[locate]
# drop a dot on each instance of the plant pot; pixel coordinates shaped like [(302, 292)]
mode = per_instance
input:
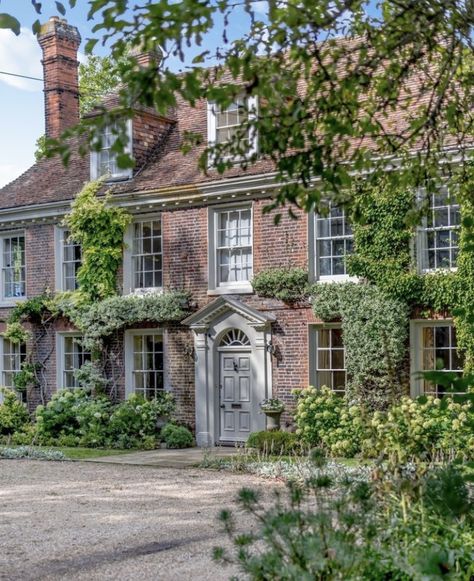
[(273, 420)]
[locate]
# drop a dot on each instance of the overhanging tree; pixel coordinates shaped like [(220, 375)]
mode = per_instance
[(399, 86)]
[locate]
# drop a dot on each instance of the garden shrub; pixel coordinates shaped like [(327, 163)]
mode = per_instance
[(133, 422), (324, 418), (274, 442), (13, 414), (379, 529), (423, 427), (74, 417), (287, 284), (176, 436)]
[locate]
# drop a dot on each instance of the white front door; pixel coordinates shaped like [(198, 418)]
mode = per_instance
[(235, 399)]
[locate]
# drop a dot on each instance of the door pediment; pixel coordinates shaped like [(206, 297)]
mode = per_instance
[(203, 319)]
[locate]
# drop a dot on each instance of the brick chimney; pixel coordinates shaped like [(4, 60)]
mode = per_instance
[(147, 58), (59, 42)]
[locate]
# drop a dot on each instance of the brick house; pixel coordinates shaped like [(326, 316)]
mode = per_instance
[(202, 233)]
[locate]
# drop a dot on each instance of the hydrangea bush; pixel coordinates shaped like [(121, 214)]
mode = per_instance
[(423, 427), (74, 417)]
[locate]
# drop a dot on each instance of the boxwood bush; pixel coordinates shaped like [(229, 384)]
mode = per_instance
[(274, 442), (176, 436)]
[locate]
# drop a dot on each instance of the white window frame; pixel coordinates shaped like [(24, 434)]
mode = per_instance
[(216, 288), (124, 174), (416, 351), (421, 236), (212, 127), (3, 371), (4, 300), (130, 334), (60, 354), (313, 331), (59, 240), (128, 267), (313, 258)]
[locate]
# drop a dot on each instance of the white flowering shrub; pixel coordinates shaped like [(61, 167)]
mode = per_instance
[(74, 417), (423, 427)]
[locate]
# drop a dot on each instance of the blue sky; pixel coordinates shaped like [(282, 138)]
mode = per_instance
[(21, 101)]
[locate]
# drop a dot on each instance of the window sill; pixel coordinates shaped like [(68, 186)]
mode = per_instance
[(431, 271), (12, 302), (336, 278), (231, 290), (144, 292)]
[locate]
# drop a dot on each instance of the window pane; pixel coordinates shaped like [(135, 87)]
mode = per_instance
[(148, 364), (334, 241), (147, 255), (438, 238), (330, 363), (234, 246)]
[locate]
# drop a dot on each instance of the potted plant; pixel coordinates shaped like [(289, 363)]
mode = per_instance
[(272, 408)]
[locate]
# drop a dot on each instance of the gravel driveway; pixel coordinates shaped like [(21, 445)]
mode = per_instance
[(77, 520)]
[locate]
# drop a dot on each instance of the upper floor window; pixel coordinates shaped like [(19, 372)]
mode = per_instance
[(147, 257), (231, 259), (71, 356), (438, 243), (327, 361), (13, 266), (69, 257), (104, 161), (434, 349), (145, 362), (333, 242), (223, 124)]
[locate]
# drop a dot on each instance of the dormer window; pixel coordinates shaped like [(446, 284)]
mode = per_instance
[(223, 124), (104, 161)]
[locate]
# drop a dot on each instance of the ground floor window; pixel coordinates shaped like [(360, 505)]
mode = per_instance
[(12, 357), (327, 357), (71, 357), (145, 362), (434, 347)]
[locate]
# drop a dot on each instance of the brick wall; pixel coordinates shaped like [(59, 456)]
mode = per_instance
[(185, 266)]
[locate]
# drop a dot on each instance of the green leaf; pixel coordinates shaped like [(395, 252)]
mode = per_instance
[(10, 22), (90, 44), (36, 27), (60, 8)]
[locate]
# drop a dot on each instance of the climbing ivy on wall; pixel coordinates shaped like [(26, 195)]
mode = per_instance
[(99, 228), (94, 309), (375, 329)]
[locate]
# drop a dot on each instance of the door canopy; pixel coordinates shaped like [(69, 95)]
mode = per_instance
[(204, 318)]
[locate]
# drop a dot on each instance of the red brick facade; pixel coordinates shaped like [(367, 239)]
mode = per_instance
[(168, 184)]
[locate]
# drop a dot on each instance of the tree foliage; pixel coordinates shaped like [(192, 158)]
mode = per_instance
[(321, 98)]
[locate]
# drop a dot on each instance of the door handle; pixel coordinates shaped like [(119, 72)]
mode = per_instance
[(222, 405)]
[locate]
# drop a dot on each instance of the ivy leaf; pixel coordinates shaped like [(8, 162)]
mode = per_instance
[(10, 22)]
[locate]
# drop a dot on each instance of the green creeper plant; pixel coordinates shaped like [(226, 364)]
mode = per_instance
[(287, 284), (98, 227)]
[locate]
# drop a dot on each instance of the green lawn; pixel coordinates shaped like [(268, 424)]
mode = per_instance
[(81, 453)]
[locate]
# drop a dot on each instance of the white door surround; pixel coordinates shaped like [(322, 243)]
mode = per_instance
[(211, 326)]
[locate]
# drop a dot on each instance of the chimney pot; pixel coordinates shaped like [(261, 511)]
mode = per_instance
[(59, 42)]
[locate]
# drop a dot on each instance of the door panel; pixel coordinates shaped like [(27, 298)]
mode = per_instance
[(235, 396)]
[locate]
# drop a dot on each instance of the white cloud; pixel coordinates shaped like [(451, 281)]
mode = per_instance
[(20, 55)]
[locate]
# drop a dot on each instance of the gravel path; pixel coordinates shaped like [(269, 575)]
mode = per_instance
[(84, 521)]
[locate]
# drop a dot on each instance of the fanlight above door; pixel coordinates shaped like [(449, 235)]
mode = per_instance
[(235, 338)]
